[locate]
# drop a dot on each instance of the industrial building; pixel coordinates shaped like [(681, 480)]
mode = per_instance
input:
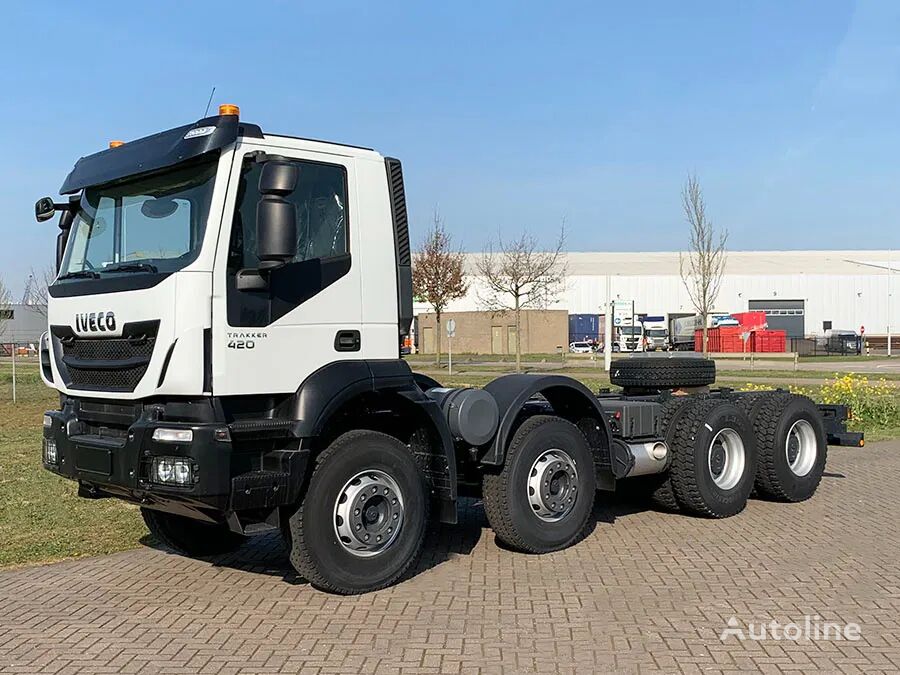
[(802, 292)]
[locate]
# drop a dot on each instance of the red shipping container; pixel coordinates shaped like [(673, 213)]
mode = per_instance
[(769, 341), (724, 339)]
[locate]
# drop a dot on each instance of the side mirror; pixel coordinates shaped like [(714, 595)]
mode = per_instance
[(276, 231), (44, 208), (276, 219)]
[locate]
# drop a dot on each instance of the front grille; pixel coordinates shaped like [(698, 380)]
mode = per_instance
[(107, 349), (105, 364)]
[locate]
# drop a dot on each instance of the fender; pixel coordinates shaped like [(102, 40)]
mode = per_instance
[(568, 397), (331, 386)]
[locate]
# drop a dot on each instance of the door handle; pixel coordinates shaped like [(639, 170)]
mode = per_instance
[(347, 341)]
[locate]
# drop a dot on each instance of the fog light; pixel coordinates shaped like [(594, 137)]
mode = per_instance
[(50, 456), (173, 435), (48, 421), (172, 470)]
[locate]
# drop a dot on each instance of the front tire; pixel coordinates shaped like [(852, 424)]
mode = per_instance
[(542, 498), (190, 537), (361, 523), (714, 459)]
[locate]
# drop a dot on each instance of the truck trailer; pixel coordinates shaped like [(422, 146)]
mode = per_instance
[(225, 335)]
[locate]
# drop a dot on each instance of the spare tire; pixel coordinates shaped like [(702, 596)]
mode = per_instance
[(670, 372)]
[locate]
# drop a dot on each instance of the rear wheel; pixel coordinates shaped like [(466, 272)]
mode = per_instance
[(542, 498), (714, 459), (191, 537), (792, 448), (362, 520)]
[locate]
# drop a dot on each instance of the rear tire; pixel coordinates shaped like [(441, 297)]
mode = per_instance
[(342, 537), (793, 448), (190, 537), (714, 459), (546, 453)]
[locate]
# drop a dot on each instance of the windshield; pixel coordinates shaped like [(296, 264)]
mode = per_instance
[(153, 224), (657, 332), (631, 330)]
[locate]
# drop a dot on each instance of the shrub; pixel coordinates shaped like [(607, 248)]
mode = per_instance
[(873, 404)]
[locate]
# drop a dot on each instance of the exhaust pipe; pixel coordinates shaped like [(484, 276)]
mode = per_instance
[(650, 457)]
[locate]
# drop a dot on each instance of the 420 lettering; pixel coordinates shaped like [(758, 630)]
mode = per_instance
[(244, 340)]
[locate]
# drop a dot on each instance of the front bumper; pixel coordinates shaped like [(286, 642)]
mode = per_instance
[(111, 455)]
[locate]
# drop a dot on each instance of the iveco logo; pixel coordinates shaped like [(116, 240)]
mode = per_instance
[(94, 322)]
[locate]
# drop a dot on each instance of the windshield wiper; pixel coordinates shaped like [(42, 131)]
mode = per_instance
[(80, 274), (132, 267)]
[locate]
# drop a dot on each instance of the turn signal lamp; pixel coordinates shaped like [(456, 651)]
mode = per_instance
[(229, 109), (116, 144)]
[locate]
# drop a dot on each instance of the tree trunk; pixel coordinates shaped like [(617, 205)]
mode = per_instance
[(437, 339), (705, 335), (518, 337)]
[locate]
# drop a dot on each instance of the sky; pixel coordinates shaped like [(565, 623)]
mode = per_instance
[(509, 117)]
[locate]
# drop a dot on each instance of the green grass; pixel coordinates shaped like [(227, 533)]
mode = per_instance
[(41, 517)]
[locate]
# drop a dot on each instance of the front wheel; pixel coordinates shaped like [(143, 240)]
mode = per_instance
[(361, 523), (542, 498), (191, 537)]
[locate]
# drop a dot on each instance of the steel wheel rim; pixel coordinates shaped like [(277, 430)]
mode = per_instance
[(368, 513), (552, 485), (726, 458), (801, 448)]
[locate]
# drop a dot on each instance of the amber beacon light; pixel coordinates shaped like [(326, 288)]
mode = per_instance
[(116, 144), (229, 109)]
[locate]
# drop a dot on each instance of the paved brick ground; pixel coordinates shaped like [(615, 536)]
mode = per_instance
[(646, 592)]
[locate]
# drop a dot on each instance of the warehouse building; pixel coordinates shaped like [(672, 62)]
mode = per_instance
[(803, 292), (543, 332)]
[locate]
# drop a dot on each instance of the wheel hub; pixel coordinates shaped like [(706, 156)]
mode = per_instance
[(801, 448), (726, 458), (553, 485), (368, 513)]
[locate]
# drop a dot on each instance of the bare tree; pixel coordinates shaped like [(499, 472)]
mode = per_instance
[(35, 295), (521, 276), (438, 274), (5, 306), (703, 266)]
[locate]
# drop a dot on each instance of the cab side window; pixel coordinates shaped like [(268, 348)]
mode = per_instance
[(320, 201)]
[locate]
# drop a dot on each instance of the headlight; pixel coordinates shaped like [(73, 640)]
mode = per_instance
[(48, 421), (172, 471), (50, 455), (173, 435)]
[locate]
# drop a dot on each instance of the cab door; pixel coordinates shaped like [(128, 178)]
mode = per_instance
[(308, 313)]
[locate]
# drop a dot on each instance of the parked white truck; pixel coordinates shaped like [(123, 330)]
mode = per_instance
[(225, 333)]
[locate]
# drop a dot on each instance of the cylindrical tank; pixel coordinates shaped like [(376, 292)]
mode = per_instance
[(471, 414)]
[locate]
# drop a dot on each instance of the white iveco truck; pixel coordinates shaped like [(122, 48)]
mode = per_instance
[(225, 333)]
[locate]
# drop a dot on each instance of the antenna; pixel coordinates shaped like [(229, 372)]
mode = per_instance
[(206, 112)]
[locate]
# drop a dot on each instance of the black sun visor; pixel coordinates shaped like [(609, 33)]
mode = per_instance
[(156, 152)]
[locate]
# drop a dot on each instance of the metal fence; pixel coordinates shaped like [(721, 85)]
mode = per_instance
[(848, 345), (20, 379)]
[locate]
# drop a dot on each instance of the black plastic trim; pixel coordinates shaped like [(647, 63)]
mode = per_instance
[(569, 398), (116, 284), (401, 244), (152, 153)]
